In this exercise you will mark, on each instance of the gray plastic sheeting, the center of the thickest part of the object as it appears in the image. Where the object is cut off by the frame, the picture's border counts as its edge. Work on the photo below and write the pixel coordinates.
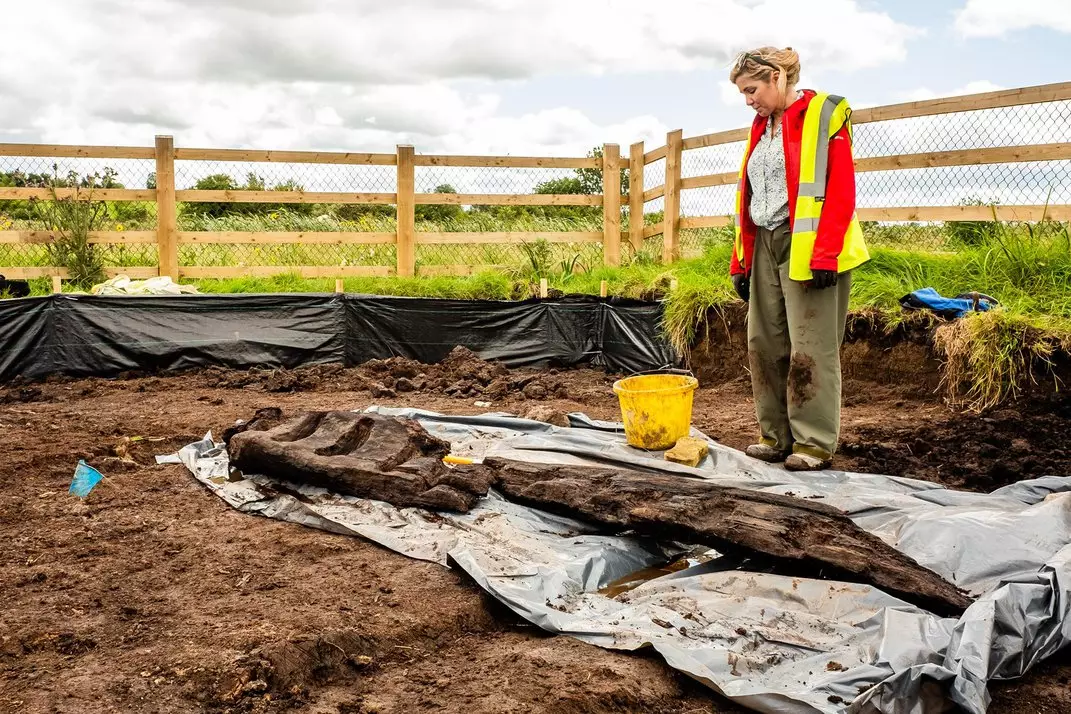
(771, 643)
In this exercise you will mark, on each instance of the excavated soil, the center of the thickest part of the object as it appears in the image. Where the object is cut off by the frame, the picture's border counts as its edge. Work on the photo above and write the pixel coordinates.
(153, 595)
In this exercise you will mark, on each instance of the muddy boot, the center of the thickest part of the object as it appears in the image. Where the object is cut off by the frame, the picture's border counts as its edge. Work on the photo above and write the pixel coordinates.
(800, 461)
(767, 453)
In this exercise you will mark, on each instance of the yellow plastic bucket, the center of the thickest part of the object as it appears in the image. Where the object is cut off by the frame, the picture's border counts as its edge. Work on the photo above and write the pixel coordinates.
(656, 409)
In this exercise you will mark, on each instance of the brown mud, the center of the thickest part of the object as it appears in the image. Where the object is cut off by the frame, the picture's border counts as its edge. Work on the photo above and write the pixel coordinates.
(153, 595)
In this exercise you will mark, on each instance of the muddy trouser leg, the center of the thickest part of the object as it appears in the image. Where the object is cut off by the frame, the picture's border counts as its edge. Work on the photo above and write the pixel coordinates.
(768, 337)
(816, 328)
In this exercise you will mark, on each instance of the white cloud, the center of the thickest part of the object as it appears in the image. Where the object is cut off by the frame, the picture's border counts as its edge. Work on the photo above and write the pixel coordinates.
(924, 93)
(365, 75)
(996, 18)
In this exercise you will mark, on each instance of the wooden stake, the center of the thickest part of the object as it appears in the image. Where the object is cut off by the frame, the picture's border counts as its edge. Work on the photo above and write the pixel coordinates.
(166, 209)
(673, 284)
(339, 288)
(635, 196)
(57, 284)
(670, 224)
(543, 288)
(603, 288)
(406, 207)
(611, 204)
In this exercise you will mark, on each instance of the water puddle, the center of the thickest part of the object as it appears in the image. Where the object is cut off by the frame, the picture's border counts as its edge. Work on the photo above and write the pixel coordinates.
(634, 580)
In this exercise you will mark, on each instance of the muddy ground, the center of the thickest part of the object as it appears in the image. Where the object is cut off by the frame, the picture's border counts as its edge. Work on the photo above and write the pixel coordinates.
(155, 596)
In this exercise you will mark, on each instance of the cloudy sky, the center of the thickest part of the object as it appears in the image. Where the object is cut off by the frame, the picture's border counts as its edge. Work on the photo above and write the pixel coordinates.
(481, 76)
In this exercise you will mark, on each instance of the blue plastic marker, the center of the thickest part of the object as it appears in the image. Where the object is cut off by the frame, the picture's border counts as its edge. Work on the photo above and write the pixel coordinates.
(85, 478)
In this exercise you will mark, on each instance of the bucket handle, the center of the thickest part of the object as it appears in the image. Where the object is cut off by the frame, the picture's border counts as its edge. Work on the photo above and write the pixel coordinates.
(665, 370)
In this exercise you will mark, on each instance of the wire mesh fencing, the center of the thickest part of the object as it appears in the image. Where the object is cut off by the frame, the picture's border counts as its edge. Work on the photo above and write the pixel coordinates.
(979, 179)
(932, 183)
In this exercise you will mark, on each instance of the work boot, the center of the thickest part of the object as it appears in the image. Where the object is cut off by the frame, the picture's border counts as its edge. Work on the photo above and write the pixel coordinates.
(806, 462)
(767, 453)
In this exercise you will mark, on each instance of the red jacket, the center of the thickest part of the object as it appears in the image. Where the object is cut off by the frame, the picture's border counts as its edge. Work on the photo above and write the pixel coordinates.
(840, 189)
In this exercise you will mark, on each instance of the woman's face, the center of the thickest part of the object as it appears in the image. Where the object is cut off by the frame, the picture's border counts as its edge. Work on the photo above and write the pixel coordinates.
(761, 96)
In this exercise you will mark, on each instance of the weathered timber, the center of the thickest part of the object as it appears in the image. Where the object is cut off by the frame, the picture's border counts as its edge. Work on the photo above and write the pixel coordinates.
(396, 460)
(364, 455)
(731, 520)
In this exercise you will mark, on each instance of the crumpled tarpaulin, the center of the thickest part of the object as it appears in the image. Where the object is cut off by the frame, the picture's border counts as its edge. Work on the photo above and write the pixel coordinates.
(771, 643)
(949, 308)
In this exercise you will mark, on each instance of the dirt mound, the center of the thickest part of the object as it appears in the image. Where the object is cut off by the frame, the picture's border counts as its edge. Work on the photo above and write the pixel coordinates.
(462, 375)
(973, 452)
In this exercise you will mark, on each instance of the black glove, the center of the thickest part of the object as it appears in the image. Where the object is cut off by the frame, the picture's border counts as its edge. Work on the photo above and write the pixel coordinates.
(742, 286)
(823, 279)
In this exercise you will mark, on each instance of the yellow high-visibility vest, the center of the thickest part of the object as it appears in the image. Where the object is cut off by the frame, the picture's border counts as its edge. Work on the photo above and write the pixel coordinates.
(825, 116)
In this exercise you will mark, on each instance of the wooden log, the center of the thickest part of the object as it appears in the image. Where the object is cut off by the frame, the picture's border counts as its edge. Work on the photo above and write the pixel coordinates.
(363, 455)
(798, 531)
(395, 460)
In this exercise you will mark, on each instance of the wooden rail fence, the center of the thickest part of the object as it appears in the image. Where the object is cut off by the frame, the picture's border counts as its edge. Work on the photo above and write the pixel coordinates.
(406, 238)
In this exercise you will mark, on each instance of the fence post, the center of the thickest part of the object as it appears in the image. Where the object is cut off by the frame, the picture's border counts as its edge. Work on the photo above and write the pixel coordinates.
(671, 245)
(635, 196)
(611, 204)
(166, 212)
(406, 204)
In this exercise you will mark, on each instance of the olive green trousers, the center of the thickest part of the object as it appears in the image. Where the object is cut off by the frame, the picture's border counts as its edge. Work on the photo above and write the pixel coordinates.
(794, 336)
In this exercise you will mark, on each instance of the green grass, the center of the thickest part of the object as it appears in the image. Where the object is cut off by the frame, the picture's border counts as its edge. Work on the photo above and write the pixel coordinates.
(988, 358)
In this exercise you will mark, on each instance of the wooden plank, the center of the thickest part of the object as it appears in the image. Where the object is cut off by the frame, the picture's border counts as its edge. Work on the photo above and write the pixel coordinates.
(15, 193)
(406, 212)
(543, 288)
(967, 157)
(522, 162)
(655, 155)
(72, 151)
(29, 273)
(277, 237)
(671, 248)
(725, 179)
(40, 237)
(340, 287)
(1060, 212)
(705, 222)
(611, 205)
(305, 271)
(196, 196)
(635, 195)
(653, 193)
(1059, 91)
(166, 209)
(435, 270)
(509, 199)
(287, 157)
(717, 138)
(485, 237)
(652, 230)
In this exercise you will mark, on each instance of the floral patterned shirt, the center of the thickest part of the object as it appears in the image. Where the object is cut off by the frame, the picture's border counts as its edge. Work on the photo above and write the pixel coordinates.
(769, 181)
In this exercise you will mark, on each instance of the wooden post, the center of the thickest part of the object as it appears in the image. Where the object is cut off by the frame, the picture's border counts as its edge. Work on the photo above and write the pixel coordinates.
(604, 289)
(635, 196)
(544, 288)
(166, 211)
(57, 284)
(611, 204)
(339, 287)
(406, 212)
(673, 284)
(671, 244)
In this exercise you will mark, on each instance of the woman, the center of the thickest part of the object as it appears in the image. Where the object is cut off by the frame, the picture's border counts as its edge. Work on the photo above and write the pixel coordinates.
(797, 239)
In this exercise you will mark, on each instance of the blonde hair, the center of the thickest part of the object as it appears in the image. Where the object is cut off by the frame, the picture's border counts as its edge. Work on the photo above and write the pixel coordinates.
(761, 63)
